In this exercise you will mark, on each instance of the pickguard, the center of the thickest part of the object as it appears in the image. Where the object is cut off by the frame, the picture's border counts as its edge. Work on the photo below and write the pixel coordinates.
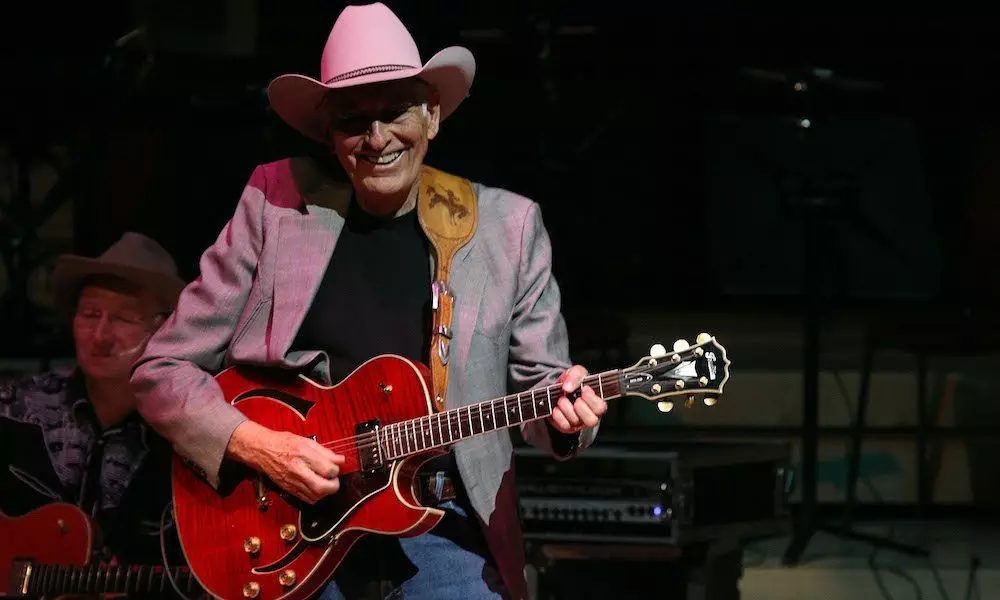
(317, 521)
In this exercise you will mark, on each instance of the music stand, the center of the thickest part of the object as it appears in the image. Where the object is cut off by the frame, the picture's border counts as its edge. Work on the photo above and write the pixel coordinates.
(827, 188)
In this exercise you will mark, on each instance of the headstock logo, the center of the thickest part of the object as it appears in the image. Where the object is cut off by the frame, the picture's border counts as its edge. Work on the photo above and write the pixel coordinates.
(639, 378)
(712, 370)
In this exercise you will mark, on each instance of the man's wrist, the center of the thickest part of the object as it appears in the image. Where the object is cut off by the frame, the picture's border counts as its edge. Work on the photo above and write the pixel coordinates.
(563, 444)
(244, 442)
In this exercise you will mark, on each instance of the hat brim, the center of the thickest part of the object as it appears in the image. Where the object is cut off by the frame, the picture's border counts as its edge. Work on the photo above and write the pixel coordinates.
(298, 99)
(72, 270)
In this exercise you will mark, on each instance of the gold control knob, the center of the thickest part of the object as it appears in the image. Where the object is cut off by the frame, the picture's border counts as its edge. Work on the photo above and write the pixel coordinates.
(288, 532)
(703, 381)
(287, 578)
(251, 545)
(655, 388)
(679, 384)
(251, 589)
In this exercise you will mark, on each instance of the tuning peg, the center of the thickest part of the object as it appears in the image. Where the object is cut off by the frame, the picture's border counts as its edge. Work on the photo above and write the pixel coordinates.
(710, 401)
(702, 338)
(681, 345)
(665, 406)
(657, 350)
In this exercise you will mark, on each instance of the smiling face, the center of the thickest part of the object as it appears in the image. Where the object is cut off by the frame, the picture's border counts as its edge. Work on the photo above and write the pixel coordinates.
(380, 136)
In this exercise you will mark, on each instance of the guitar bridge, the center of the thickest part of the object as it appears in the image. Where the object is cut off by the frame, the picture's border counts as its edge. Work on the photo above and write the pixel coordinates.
(370, 459)
(260, 491)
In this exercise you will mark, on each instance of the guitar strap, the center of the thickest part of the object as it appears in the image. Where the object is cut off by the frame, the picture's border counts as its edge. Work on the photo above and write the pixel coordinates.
(446, 209)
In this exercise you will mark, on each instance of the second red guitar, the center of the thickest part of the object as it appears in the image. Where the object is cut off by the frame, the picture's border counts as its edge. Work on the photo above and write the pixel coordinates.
(251, 540)
(46, 553)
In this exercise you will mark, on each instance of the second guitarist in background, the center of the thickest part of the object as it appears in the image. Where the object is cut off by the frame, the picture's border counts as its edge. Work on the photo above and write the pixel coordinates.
(73, 435)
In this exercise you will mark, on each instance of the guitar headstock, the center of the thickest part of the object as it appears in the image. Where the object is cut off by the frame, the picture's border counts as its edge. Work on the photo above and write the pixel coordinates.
(691, 371)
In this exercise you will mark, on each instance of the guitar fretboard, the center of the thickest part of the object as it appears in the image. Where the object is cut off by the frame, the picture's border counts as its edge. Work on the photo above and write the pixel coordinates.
(54, 580)
(441, 429)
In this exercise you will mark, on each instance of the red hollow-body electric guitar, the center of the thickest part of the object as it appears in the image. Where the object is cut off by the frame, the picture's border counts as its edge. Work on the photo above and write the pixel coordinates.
(46, 553)
(249, 539)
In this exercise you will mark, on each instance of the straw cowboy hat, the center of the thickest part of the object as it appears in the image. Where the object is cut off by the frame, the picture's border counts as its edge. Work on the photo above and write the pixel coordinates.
(368, 44)
(134, 258)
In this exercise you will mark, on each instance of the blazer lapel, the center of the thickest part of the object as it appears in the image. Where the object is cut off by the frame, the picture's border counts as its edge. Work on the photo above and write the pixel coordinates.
(468, 279)
(304, 250)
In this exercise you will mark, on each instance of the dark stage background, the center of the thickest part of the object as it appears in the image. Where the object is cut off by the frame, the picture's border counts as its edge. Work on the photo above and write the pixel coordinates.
(676, 153)
(597, 114)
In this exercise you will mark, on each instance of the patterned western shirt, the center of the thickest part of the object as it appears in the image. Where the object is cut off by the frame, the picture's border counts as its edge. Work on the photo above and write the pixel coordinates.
(54, 450)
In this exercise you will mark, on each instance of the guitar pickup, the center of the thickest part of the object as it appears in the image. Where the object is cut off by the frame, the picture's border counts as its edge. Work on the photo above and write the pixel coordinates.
(370, 458)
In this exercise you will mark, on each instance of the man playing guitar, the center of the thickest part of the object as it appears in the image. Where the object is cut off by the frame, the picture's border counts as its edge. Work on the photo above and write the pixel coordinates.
(315, 276)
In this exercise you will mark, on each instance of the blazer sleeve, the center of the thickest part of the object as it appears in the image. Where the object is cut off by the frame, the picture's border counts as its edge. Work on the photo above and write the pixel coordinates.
(539, 345)
(174, 379)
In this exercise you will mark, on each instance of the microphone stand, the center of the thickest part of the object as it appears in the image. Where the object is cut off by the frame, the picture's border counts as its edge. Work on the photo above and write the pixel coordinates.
(817, 205)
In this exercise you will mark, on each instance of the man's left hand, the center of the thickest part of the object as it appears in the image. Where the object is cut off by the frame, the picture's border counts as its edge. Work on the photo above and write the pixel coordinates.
(577, 407)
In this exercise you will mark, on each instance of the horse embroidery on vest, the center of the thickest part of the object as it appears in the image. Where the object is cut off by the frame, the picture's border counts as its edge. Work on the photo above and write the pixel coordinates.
(456, 212)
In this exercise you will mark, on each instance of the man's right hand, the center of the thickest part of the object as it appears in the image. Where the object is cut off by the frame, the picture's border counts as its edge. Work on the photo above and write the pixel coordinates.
(297, 464)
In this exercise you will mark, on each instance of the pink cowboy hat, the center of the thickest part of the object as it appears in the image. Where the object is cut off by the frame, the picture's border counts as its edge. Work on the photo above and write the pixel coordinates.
(368, 44)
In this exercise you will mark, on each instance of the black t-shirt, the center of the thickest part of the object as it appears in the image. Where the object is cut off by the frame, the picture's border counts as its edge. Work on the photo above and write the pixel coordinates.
(375, 297)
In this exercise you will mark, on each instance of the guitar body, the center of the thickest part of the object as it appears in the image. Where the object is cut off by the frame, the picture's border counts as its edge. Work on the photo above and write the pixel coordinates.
(57, 533)
(250, 539)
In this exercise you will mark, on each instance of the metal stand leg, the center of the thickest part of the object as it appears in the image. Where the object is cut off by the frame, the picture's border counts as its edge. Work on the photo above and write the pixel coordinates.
(857, 430)
(923, 480)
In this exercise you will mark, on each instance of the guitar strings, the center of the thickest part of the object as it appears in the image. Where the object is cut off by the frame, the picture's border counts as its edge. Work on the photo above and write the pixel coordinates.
(370, 439)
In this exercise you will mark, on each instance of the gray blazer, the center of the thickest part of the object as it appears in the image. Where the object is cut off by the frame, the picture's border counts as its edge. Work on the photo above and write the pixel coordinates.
(259, 278)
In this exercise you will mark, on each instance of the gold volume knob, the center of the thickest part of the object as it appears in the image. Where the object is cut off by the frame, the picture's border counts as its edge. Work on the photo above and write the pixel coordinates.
(251, 589)
(287, 578)
(288, 532)
(251, 545)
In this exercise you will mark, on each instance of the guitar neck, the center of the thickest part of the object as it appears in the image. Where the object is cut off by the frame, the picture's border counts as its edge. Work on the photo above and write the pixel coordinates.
(405, 438)
(55, 580)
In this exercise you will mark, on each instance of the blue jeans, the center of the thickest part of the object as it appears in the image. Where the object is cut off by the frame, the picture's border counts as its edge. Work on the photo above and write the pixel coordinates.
(451, 562)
